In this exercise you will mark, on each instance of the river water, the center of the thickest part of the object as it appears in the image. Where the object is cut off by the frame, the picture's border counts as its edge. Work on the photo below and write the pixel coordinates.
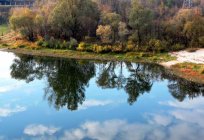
(67, 99)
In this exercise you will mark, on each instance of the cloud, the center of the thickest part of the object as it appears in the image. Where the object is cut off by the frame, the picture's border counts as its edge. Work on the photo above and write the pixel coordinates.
(5, 65)
(9, 87)
(189, 111)
(122, 130)
(94, 103)
(40, 130)
(187, 104)
(159, 119)
(5, 112)
(107, 130)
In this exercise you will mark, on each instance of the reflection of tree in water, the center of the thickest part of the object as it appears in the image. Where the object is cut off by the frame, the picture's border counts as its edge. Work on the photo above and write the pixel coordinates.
(67, 79)
(67, 83)
(26, 68)
(181, 88)
(137, 82)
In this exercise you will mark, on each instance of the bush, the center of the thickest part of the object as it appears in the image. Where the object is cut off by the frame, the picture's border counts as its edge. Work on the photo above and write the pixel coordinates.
(45, 44)
(73, 44)
(130, 46)
(64, 45)
(117, 48)
(177, 47)
(84, 47)
(89, 39)
(201, 41)
(156, 45)
(101, 49)
(40, 42)
(51, 43)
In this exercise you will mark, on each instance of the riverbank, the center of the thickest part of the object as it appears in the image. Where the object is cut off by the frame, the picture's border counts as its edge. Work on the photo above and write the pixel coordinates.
(188, 65)
(190, 71)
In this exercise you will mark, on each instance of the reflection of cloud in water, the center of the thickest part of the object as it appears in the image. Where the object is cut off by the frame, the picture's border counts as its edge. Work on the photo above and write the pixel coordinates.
(40, 130)
(188, 111)
(5, 65)
(183, 121)
(7, 111)
(121, 130)
(93, 103)
(159, 119)
(9, 87)
(186, 104)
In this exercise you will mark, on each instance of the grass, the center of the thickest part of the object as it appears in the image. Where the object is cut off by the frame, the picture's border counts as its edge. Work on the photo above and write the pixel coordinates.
(191, 71)
(131, 57)
(4, 29)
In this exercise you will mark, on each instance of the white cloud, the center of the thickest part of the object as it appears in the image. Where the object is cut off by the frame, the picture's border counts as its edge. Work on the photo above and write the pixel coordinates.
(93, 103)
(107, 130)
(10, 87)
(7, 111)
(186, 104)
(6, 61)
(40, 130)
(189, 111)
(159, 119)
(122, 130)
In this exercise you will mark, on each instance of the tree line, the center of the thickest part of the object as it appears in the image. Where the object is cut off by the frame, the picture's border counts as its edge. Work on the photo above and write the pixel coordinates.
(111, 25)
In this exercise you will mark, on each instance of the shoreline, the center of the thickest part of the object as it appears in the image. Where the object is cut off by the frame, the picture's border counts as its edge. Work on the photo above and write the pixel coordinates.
(106, 57)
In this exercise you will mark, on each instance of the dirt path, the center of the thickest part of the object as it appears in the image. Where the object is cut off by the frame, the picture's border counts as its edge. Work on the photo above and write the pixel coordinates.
(184, 56)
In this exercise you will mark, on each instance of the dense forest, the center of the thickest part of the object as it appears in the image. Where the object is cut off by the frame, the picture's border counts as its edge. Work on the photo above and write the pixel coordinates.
(112, 25)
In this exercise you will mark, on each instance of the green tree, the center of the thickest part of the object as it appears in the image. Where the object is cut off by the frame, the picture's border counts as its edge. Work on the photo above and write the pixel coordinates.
(113, 20)
(74, 18)
(23, 20)
(194, 30)
(140, 20)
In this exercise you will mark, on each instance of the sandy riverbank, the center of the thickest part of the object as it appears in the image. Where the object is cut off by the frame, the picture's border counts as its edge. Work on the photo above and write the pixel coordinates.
(196, 57)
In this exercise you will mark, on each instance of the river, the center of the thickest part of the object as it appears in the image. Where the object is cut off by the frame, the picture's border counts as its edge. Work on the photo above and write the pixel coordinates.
(67, 99)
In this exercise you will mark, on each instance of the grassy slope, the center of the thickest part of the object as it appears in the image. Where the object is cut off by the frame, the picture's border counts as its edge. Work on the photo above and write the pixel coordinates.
(4, 29)
(190, 71)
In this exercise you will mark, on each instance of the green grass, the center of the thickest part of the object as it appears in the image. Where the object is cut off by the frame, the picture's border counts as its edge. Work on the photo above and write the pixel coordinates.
(4, 29)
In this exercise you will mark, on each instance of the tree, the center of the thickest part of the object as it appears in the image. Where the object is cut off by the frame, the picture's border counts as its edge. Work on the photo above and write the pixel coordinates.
(113, 20)
(194, 30)
(105, 33)
(140, 20)
(74, 18)
(123, 31)
(23, 20)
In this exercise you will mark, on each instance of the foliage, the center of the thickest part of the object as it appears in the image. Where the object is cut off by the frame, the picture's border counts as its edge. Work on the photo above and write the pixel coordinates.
(105, 33)
(132, 25)
(156, 45)
(23, 20)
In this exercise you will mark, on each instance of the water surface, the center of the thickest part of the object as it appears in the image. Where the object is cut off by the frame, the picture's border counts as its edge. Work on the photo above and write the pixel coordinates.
(52, 98)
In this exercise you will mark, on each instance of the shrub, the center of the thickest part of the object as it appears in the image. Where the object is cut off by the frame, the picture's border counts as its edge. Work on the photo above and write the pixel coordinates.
(201, 41)
(40, 42)
(130, 46)
(156, 45)
(177, 47)
(117, 48)
(84, 47)
(64, 45)
(73, 44)
(45, 44)
(89, 39)
(101, 49)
